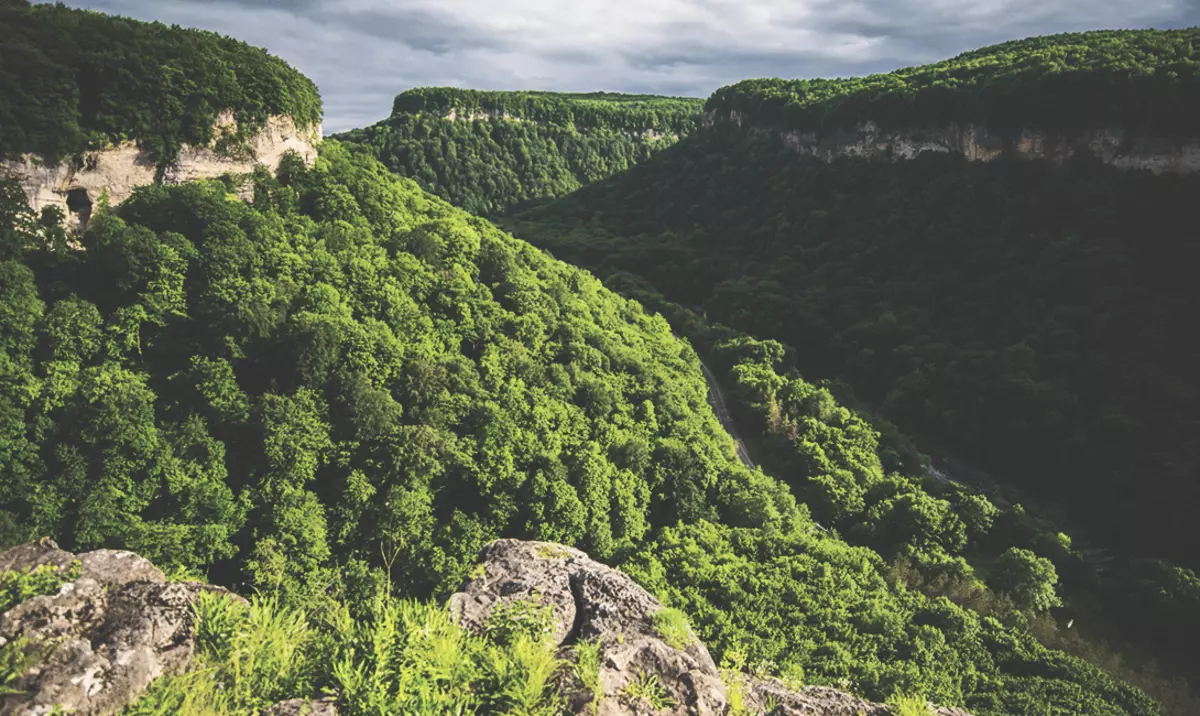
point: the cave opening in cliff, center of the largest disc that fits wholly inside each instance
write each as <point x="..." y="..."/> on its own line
<point x="80" y="204"/>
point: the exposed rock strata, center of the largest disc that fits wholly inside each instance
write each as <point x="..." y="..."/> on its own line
<point x="121" y="169"/>
<point x="120" y="625"/>
<point x="975" y="142"/>
<point x="107" y="635"/>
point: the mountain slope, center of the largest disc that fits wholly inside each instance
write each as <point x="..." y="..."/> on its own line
<point x="72" y="80"/>
<point x="350" y="384"/>
<point x="490" y="151"/>
<point x="337" y="393"/>
<point x="1035" y="319"/>
<point x="1143" y="80"/>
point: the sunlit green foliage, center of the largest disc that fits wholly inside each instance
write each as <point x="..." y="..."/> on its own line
<point x="72" y="80"/>
<point x="346" y="373"/>
<point x="16" y="587"/>
<point x="489" y="151"/>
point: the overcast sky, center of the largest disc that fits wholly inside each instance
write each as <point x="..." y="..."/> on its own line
<point x="363" y="52"/>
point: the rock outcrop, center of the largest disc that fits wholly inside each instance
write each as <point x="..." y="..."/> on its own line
<point x="1115" y="146"/>
<point x="594" y="603"/>
<point x="104" y="637"/>
<point x="303" y="707"/>
<point x="120" y="170"/>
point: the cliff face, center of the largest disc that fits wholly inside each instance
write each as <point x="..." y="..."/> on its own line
<point x="1112" y="145"/>
<point x="122" y="169"/>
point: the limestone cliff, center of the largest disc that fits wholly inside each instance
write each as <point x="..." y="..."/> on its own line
<point x="1115" y="146"/>
<point x="121" y="169"/>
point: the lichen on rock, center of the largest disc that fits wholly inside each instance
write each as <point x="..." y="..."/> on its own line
<point x="102" y="638"/>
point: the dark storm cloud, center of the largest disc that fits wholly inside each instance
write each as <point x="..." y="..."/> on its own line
<point x="362" y="52"/>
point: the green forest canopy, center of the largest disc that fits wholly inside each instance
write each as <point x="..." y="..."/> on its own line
<point x="505" y="148"/>
<point x="349" y="380"/>
<point x="1142" y="80"/>
<point x="73" y="80"/>
<point x="1031" y="318"/>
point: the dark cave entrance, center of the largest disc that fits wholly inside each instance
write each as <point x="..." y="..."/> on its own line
<point x="80" y="205"/>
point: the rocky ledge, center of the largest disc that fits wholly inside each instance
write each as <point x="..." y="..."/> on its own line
<point x="595" y="603"/>
<point x="118" y="625"/>
<point x="121" y="169"/>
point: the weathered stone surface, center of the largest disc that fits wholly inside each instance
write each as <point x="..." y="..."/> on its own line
<point x="303" y="707"/>
<point x="103" y="638"/>
<point x="33" y="555"/>
<point x="121" y="169"/>
<point x="1111" y="145"/>
<point x="593" y="602"/>
<point x="818" y="701"/>
<point x="808" y="701"/>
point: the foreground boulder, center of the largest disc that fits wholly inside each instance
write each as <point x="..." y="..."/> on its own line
<point x="102" y="638"/>
<point x="598" y="604"/>
<point x="591" y="602"/>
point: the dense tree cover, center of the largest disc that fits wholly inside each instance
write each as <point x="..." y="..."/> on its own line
<point x="1036" y="319"/>
<point x="346" y="361"/>
<point x="1146" y="80"/>
<point x="854" y="471"/>
<point x="72" y="80"/>
<point x="765" y="596"/>
<point x="585" y="110"/>
<point x="489" y="151"/>
<point x="349" y="384"/>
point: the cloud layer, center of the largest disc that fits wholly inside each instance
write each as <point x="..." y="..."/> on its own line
<point x="363" y="52"/>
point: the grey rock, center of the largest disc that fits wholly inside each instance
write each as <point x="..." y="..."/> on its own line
<point x="808" y="701"/>
<point x="593" y="602"/>
<point x="101" y="639"/>
<point x="818" y="701"/>
<point x="33" y="555"/>
<point x="303" y="707"/>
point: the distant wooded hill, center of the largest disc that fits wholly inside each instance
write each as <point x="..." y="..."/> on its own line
<point x="490" y="151"/>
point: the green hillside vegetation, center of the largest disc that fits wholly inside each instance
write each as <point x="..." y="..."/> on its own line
<point x="1036" y="319"/>
<point x="1141" y="80"/>
<point x="344" y="389"/>
<point x="504" y="148"/>
<point x="73" y="80"/>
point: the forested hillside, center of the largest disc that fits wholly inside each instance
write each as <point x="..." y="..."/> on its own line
<point x="1035" y="320"/>
<point x="349" y="383"/>
<point x="335" y="394"/>
<point x="490" y="151"/>
<point x="72" y="80"/>
<point x="1142" y="81"/>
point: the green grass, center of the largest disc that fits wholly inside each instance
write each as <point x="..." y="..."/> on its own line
<point x="672" y="625"/>
<point x="908" y="705"/>
<point x="648" y="689"/>
<point x="587" y="670"/>
<point x="17" y="586"/>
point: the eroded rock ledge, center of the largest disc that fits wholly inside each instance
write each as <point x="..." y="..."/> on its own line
<point x="120" y="170"/>
<point x="1112" y="145"/>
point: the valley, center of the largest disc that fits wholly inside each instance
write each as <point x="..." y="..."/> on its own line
<point x="868" y="393"/>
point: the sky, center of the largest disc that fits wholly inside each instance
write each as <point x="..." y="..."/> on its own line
<point x="361" y="53"/>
